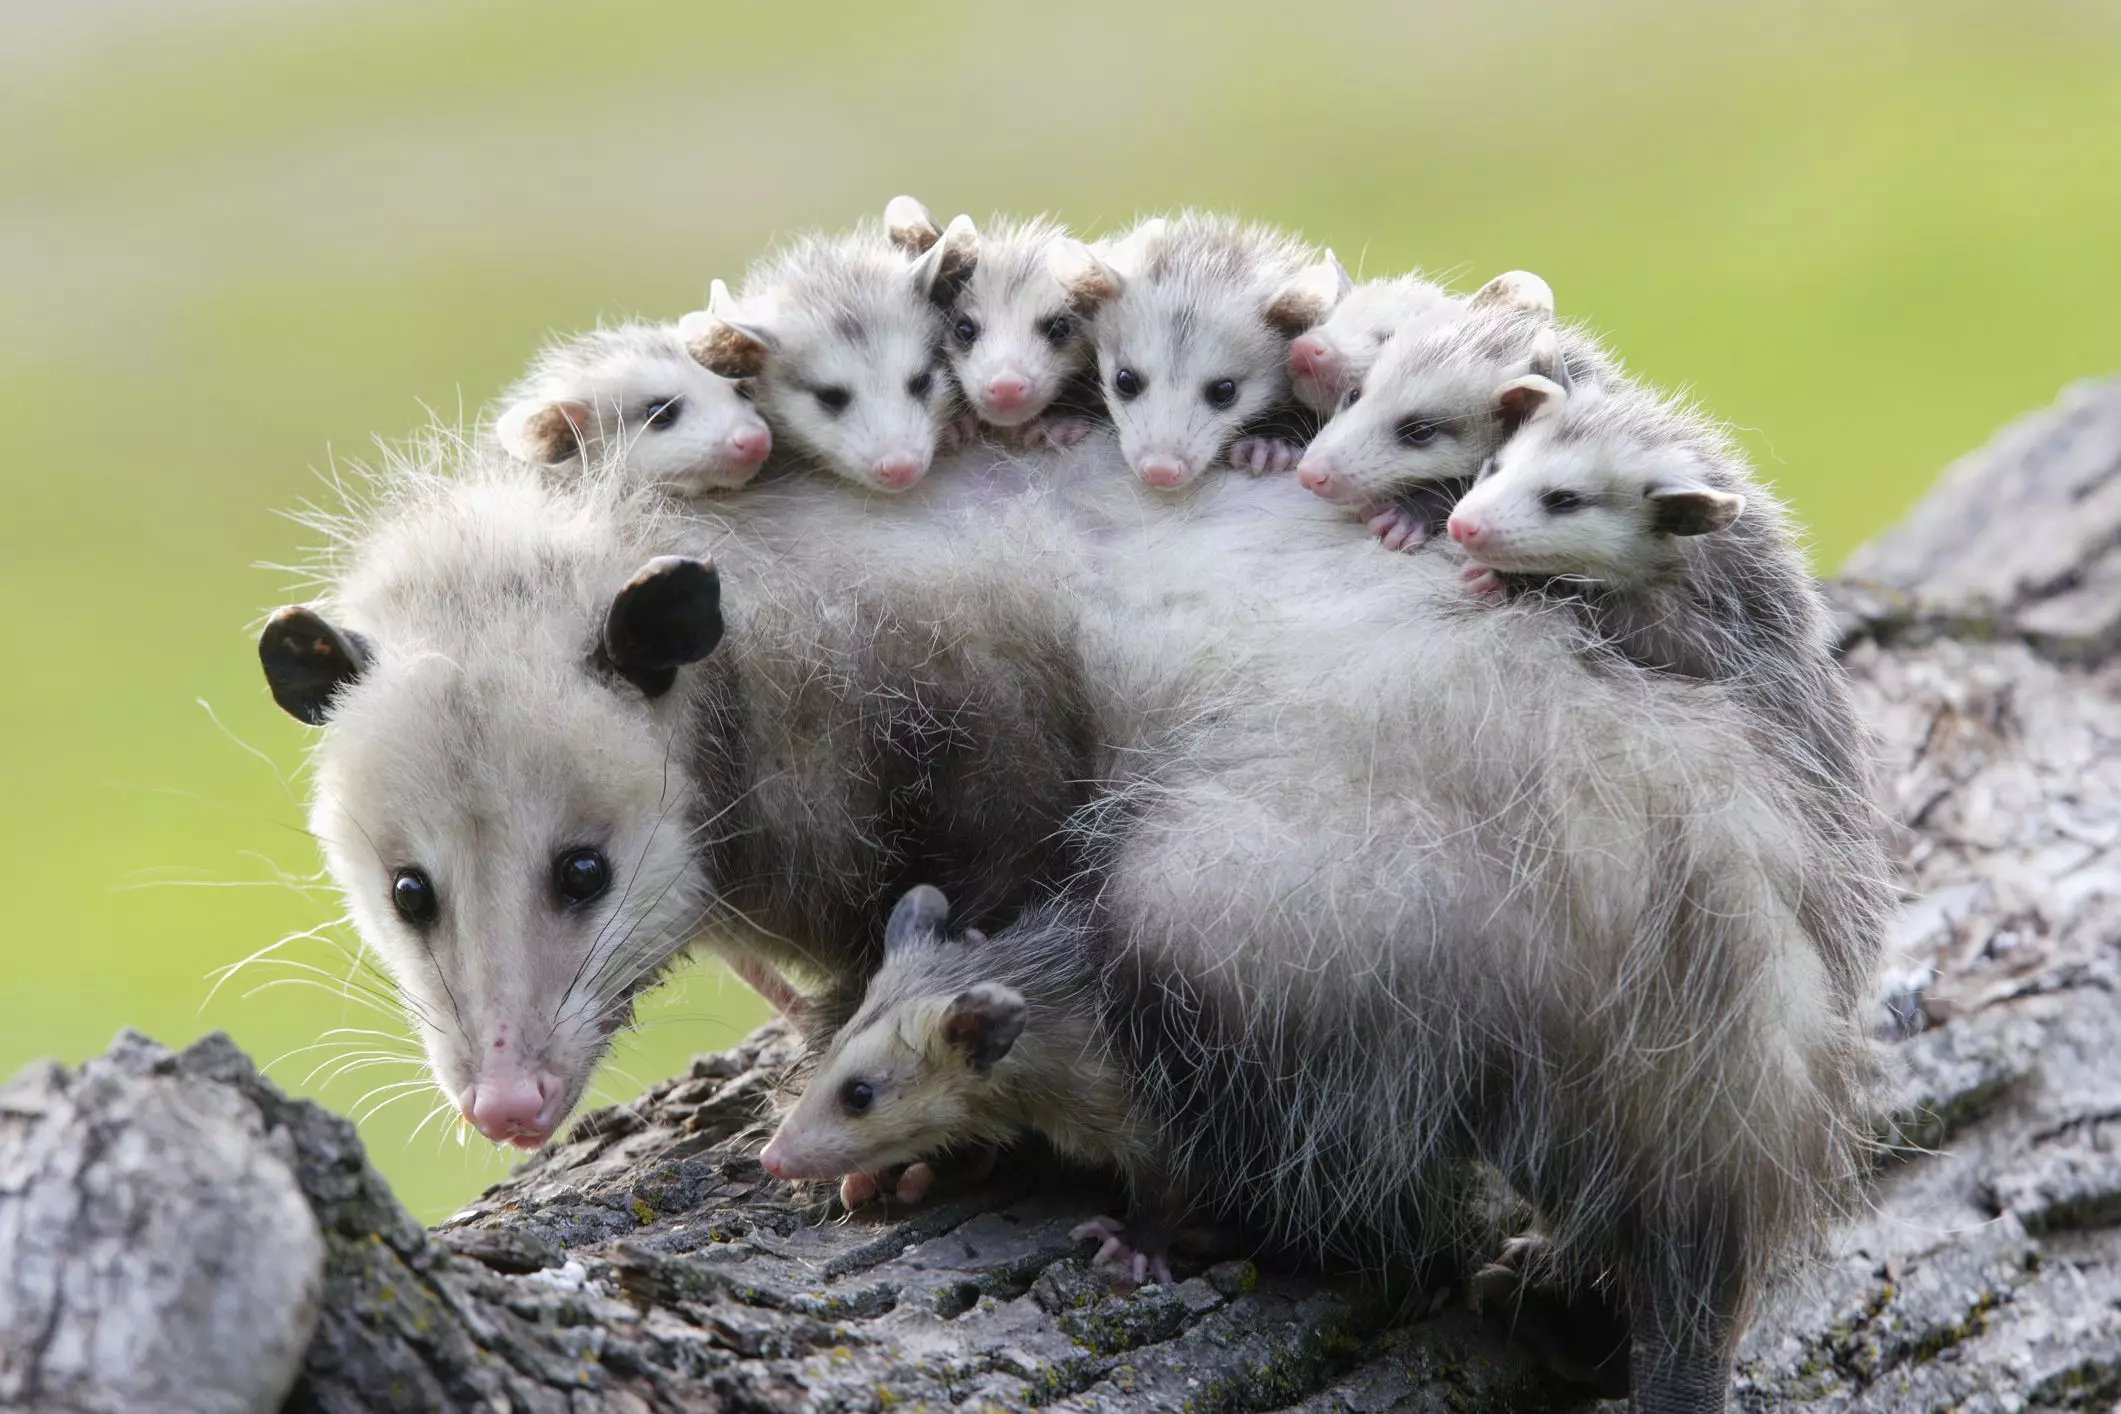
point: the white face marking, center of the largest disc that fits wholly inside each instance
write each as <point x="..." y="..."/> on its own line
<point x="678" y="424"/>
<point x="1014" y="341"/>
<point x="1335" y="355"/>
<point x="864" y="392"/>
<point x="1576" y="508"/>
<point x="1411" y="424"/>
<point x="1182" y="353"/>
<point x="887" y="1091"/>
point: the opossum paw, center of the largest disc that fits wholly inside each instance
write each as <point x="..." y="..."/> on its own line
<point x="1055" y="432"/>
<point x="1507" y="1273"/>
<point x="1263" y="456"/>
<point x="1399" y="528"/>
<point x="1481" y="580"/>
<point x="857" y="1189"/>
<point x="914" y="1183"/>
<point x="1113" y="1250"/>
<point x="959" y="431"/>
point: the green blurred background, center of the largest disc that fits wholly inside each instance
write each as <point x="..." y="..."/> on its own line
<point x="240" y="238"/>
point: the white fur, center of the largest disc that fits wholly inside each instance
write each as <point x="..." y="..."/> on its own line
<point x="1364" y="320"/>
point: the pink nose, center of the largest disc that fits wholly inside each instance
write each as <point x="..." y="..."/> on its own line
<point x="1310" y="358"/>
<point x="1315" y="475"/>
<point x="1466" y="532"/>
<point x="516" y="1109"/>
<point x="772" y="1159"/>
<point x="749" y="445"/>
<point x="897" y="472"/>
<point x="1007" y="392"/>
<point x="1166" y="472"/>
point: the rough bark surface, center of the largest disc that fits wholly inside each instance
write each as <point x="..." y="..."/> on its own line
<point x="648" y="1263"/>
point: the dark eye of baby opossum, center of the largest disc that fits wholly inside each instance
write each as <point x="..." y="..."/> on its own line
<point x="414" y="896"/>
<point x="856" y="1096"/>
<point x="581" y="874"/>
<point x="664" y="412"/>
<point x="1128" y="384"/>
<point x="920" y="383"/>
<point x="1561" y="502"/>
<point x="1351" y="397"/>
<point x="834" y="400"/>
<point x="967" y="331"/>
<point x="1419" y="431"/>
<point x="1057" y="329"/>
<point x="1221" y="392"/>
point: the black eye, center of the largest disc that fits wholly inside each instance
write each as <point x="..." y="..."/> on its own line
<point x="834" y="399"/>
<point x="1221" y="393"/>
<point x="1351" y="397"/>
<point x="414" y="897"/>
<point x="580" y="875"/>
<point x="1419" y="431"/>
<point x="920" y="383"/>
<point x="1058" y="329"/>
<point x="662" y="414"/>
<point x="856" y="1096"/>
<point x="966" y="331"/>
<point x="1561" y="502"/>
<point x="1128" y="384"/>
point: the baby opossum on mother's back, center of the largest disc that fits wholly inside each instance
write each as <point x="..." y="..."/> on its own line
<point x="1192" y="332"/>
<point x="634" y="393"/>
<point x="841" y="338"/>
<point x="1635" y="513"/>
<point x="1334" y="357"/>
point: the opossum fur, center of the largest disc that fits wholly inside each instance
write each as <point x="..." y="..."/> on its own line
<point x="1335" y="355"/>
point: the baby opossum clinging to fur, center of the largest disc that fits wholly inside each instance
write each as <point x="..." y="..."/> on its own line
<point x="841" y="338"/>
<point x="634" y="394"/>
<point x="1018" y="339"/>
<point x="1428" y="415"/>
<point x="1194" y="318"/>
<point x="1333" y="358"/>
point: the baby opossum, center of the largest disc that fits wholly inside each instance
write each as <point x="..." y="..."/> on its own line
<point x="1428" y="415"/>
<point x="635" y="393"/>
<point x="1192" y="333"/>
<point x="841" y="337"/>
<point x="1336" y="355"/>
<point x="974" y="1041"/>
<point x="1636" y="514"/>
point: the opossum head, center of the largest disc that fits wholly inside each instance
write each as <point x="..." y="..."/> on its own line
<point x="1427" y="413"/>
<point x="501" y="791"/>
<point x="843" y="338"/>
<point x="1193" y="343"/>
<point x="1333" y="357"/>
<point x="916" y="1069"/>
<point x="1018" y="334"/>
<point x="635" y="396"/>
<point x="1579" y="492"/>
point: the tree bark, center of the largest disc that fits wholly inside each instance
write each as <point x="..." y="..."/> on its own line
<point x="647" y="1263"/>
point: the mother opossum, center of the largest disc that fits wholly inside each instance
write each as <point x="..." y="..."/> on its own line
<point x="1393" y="879"/>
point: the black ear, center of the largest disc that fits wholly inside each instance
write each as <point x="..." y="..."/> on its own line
<point x="306" y="660"/>
<point x="919" y="915"/>
<point x="984" y="1022"/>
<point x="668" y="615"/>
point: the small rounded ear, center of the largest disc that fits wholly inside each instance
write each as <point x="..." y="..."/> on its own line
<point x="1308" y="298"/>
<point x="1688" y="508"/>
<point x="1342" y="280"/>
<point x="1514" y="289"/>
<point x="1528" y="399"/>
<point x="307" y="661"/>
<point x="668" y="615"/>
<point x="722" y="341"/>
<point x="909" y="225"/>
<point x="1089" y="281"/>
<point x="949" y="263"/>
<point x="983" y="1022"/>
<point x="917" y="917"/>
<point x="544" y="434"/>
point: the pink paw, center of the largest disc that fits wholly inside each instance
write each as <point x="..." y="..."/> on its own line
<point x="1481" y="580"/>
<point x="1111" y="1235"/>
<point x="858" y="1189"/>
<point x="1399" y="528"/>
<point x="1263" y="456"/>
<point x="1054" y="431"/>
<point x="959" y="431"/>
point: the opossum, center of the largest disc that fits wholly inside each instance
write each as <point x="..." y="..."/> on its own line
<point x="1634" y="514"/>
<point x="633" y="392"/>
<point x="1364" y="923"/>
<point x="1192" y="337"/>
<point x="841" y="337"/>
<point x="1427" y="416"/>
<point x="1335" y="355"/>
<point x="973" y="1041"/>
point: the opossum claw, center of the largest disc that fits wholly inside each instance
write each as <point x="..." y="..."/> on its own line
<point x="1114" y="1249"/>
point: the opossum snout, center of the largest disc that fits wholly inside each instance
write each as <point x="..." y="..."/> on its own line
<point x="515" y="1108"/>
<point x="1165" y="472"/>
<point x="1312" y="357"/>
<point x="1318" y="475"/>
<point x="748" y="446"/>
<point x="1005" y="392"/>
<point x="1466" y="530"/>
<point x="897" y="471"/>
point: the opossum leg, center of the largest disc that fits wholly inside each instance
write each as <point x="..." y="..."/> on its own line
<point x="764" y="978"/>
<point x="1133" y="1247"/>
<point x="1681" y="1351"/>
<point x="1400" y="528"/>
<point x="1481" y="581"/>
<point x="1263" y="456"/>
